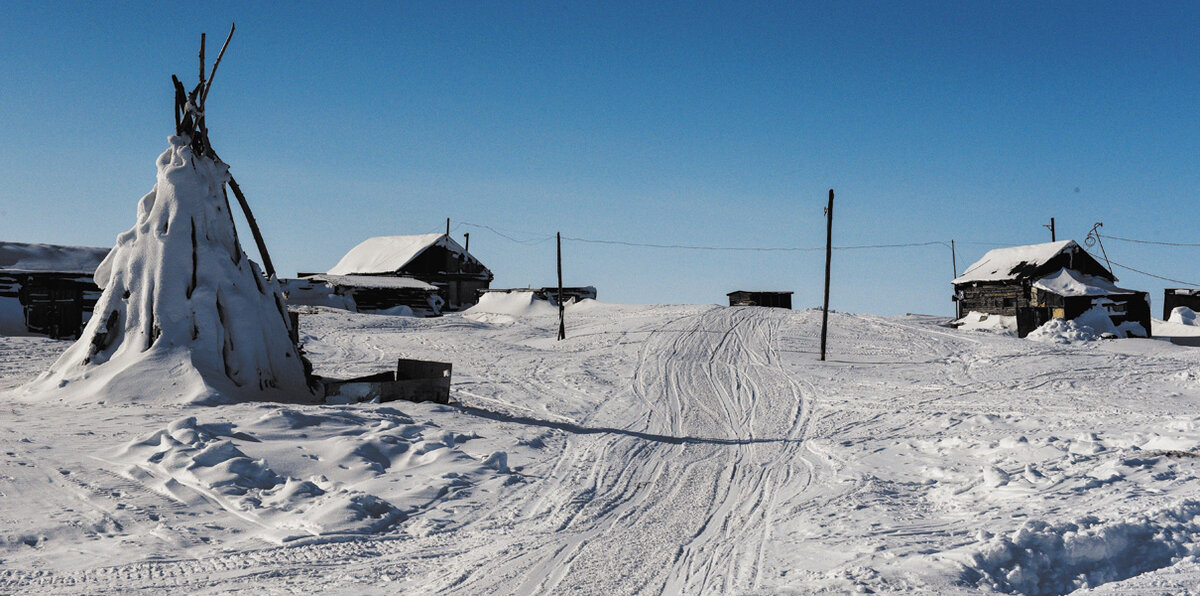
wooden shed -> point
(550, 294)
(435, 259)
(383, 294)
(760, 298)
(1038, 282)
(47, 289)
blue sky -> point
(718, 124)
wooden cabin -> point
(435, 259)
(750, 298)
(1038, 282)
(47, 289)
(1175, 297)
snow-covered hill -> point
(659, 449)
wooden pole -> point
(828, 258)
(258, 239)
(447, 227)
(467, 247)
(562, 327)
(1053, 238)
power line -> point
(1136, 241)
(703, 247)
(1186, 283)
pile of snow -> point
(1061, 331)
(185, 316)
(311, 292)
(978, 321)
(497, 307)
(1040, 558)
(1183, 315)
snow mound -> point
(1183, 316)
(510, 305)
(1040, 558)
(1061, 331)
(308, 474)
(185, 316)
(977, 321)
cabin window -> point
(1010, 302)
(1116, 307)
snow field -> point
(659, 449)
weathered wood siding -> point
(994, 298)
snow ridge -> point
(1041, 558)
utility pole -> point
(828, 257)
(1051, 227)
(954, 263)
(562, 327)
(467, 235)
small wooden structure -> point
(380, 293)
(550, 294)
(1038, 282)
(413, 380)
(435, 259)
(761, 298)
(1175, 297)
(50, 286)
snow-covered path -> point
(659, 450)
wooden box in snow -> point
(413, 380)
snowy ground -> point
(659, 449)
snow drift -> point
(185, 316)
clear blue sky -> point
(671, 123)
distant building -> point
(749, 298)
(1175, 297)
(47, 289)
(382, 294)
(1038, 282)
(570, 293)
(434, 259)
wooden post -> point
(447, 227)
(562, 327)
(828, 258)
(258, 239)
(1051, 228)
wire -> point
(1150, 241)
(1186, 283)
(529, 242)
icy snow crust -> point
(184, 316)
(658, 449)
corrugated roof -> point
(20, 257)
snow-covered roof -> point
(1002, 264)
(374, 282)
(388, 254)
(19, 257)
(1066, 282)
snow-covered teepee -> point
(185, 316)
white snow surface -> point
(50, 258)
(185, 316)
(1067, 282)
(656, 450)
(978, 321)
(1001, 264)
(387, 254)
